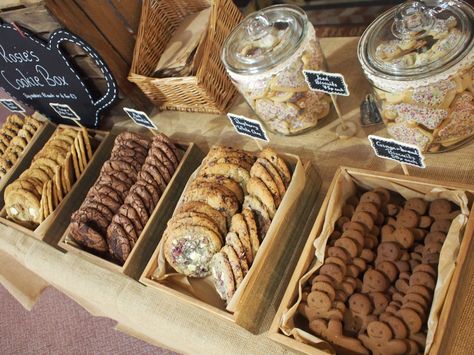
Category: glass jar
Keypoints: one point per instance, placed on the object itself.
(265, 57)
(419, 59)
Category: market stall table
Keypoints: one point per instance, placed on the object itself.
(29, 265)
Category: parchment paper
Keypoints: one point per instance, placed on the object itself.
(344, 188)
(203, 289)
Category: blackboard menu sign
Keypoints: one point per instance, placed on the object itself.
(12, 105)
(140, 118)
(38, 74)
(248, 127)
(394, 150)
(329, 83)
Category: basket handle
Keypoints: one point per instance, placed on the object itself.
(60, 36)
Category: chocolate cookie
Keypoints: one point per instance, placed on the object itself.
(119, 246)
(130, 212)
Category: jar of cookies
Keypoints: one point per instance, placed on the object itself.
(265, 57)
(419, 60)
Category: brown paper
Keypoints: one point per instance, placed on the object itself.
(203, 289)
(344, 188)
(178, 57)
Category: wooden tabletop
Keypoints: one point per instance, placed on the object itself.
(162, 320)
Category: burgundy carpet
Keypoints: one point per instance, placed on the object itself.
(58, 325)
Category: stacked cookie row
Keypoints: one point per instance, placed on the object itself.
(130, 184)
(375, 288)
(15, 135)
(54, 169)
(230, 203)
(269, 179)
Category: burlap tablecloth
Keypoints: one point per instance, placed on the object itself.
(28, 265)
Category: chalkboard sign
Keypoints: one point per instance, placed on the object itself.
(12, 105)
(394, 150)
(140, 118)
(38, 74)
(329, 83)
(248, 127)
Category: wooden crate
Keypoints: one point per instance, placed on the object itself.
(263, 279)
(34, 146)
(52, 228)
(110, 27)
(308, 255)
(155, 226)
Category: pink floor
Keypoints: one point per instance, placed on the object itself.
(58, 325)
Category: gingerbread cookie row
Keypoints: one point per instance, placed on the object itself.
(374, 291)
(119, 204)
(38, 191)
(15, 135)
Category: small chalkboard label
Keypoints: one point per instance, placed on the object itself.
(329, 83)
(140, 118)
(12, 105)
(65, 111)
(398, 151)
(248, 127)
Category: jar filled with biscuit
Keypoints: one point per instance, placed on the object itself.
(265, 57)
(419, 60)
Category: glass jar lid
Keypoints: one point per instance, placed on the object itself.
(264, 39)
(417, 39)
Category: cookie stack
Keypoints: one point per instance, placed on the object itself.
(231, 202)
(15, 135)
(269, 179)
(41, 188)
(375, 288)
(130, 184)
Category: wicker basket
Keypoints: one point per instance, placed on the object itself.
(210, 90)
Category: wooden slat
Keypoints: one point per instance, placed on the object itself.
(130, 11)
(107, 21)
(75, 20)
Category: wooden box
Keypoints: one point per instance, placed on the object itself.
(156, 224)
(37, 142)
(307, 257)
(51, 229)
(260, 285)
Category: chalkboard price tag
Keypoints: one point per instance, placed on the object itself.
(401, 152)
(248, 127)
(65, 111)
(12, 105)
(140, 118)
(329, 83)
